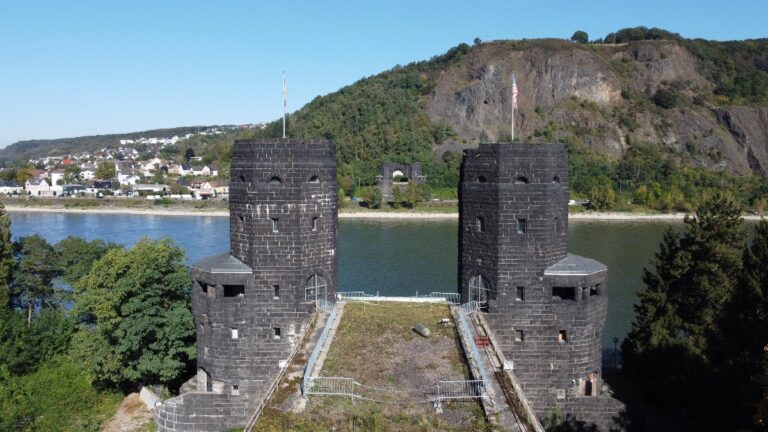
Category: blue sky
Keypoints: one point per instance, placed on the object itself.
(71, 68)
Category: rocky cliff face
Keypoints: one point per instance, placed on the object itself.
(601, 96)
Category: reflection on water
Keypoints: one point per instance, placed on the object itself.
(391, 257)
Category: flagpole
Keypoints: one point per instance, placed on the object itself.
(284, 104)
(514, 105)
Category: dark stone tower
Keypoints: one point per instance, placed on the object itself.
(252, 304)
(546, 306)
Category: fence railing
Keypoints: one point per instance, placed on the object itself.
(470, 307)
(450, 297)
(318, 348)
(353, 295)
(324, 305)
(463, 321)
(460, 389)
(330, 386)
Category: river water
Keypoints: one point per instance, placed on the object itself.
(389, 257)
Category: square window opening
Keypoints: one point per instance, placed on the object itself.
(562, 336)
(520, 294)
(235, 389)
(234, 290)
(593, 290)
(519, 336)
(235, 333)
(564, 293)
(521, 226)
(275, 224)
(277, 332)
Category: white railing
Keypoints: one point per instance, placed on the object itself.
(331, 386)
(460, 389)
(316, 351)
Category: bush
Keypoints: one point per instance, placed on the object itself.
(665, 98)
(372, 197)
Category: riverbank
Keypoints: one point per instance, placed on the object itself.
(347, 214)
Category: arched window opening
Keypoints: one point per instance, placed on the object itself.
(521, 179)
(556, 179)
(478, 291)
(315, 290)
(275, 180)
(482, 179)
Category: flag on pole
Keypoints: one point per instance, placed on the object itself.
(514, 92)
(285, 104)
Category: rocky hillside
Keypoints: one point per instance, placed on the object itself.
(604, 96)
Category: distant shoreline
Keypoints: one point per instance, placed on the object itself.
(367, 215)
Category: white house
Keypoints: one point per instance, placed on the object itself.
(10, 187)
(57, 175)
(38, 187)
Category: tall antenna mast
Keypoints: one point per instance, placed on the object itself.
(285, 103)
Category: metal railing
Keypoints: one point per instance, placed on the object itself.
(324, 305)
(450, 297)
(353, 295)
(318, 348)
(460, 389)
(475, 353)
(470, 307)
(330, 386)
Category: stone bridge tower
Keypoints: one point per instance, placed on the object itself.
(546, 306)
(251, 305)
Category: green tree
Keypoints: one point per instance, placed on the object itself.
(580, 36)
(72, 174)
(398, 197)
(138, 304)
(189, 153)
(414, 194)
(738, 352)
(32, 284)
(372, 197)
(665, 98)
(106, 170)
(693, 277)
(6, 258)
(24, 347)
(76, 256)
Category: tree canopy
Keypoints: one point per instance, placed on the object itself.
(137, 302)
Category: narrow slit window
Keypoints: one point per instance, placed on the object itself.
(276, 331)
(519, 336)
(520, 294)
(522, 226)
(275, 222)
(557, 225)
(235, 333)
(562, 336)
(203, 286)
(276, 291)
(479, 224)
(593, 290)
(314, 223)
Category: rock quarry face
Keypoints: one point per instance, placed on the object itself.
(600, 96)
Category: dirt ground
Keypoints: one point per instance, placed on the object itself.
(132, 416)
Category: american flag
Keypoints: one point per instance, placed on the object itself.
(514, 92)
